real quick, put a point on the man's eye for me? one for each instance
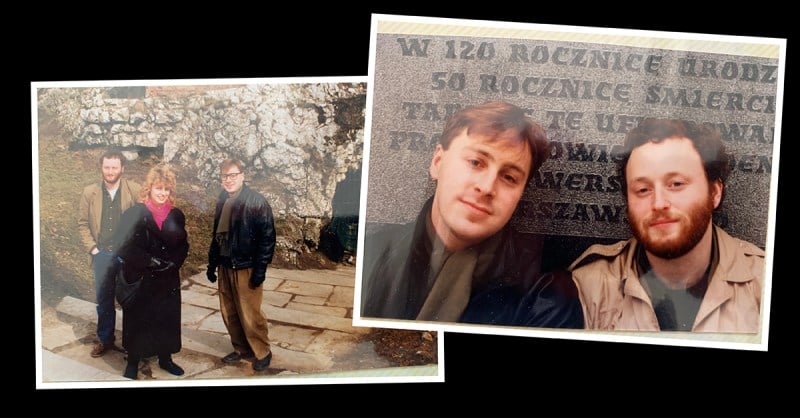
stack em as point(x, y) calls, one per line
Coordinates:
point(510, 179)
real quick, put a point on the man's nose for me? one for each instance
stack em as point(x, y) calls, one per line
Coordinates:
point(660, 199)
point(485, 182)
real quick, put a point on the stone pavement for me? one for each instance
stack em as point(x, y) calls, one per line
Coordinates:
point(310, 328)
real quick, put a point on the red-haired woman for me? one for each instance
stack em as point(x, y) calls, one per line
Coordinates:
point(153, 245)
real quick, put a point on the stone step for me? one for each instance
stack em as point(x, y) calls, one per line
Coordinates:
point(114, 362)
point(200, 299)
point(217, 346)
point(62, 369)
point(310, 331)
point(305, 288)
point(342, 276)
point(334, 278)
point(84, 310)
point(202, 310)
point(312, 320)
point(87, 311)
point(213, 345)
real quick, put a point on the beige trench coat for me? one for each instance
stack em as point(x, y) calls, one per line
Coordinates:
point(614, 299)
point(91, 208)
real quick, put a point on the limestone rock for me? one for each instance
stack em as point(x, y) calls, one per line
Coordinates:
point(297, 141)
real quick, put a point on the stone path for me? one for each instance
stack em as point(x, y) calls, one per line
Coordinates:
point(310, 326)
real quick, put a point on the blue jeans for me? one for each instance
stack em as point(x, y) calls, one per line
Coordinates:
point(105, 270)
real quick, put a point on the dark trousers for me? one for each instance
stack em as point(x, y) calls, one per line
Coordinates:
point(105, 270)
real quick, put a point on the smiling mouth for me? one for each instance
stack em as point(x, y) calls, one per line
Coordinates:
point(477, 207)
point(663, 222)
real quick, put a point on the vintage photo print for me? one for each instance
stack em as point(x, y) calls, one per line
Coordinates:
point(232, 207)
point(569, 182)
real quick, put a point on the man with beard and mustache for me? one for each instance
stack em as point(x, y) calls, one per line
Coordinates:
point(680, 272)
point(460, 261)
point(101, 208)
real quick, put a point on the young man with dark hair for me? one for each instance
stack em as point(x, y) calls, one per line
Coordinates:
point(460, 261)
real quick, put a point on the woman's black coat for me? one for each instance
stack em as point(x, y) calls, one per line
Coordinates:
point(152, 325)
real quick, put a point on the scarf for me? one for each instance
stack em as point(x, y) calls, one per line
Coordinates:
point(225, 215)
point(454, 275)
point(159, 212)
point(224, 225)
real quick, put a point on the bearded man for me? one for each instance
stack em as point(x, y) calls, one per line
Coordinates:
point(101, 206)
point(679, 272)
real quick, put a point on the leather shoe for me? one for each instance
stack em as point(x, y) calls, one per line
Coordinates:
point(131, 371)
point(234, 357)
point(99, 349)
point(171, 367)
point(262, 364)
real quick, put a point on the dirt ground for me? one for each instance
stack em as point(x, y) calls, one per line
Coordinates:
point(405, 347)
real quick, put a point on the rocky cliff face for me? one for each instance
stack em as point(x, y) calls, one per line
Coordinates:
point(298, 141)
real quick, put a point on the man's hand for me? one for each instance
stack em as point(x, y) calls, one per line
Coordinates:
point(256, 281)
point(210, 273)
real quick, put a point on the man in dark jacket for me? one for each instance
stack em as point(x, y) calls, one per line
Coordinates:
point(460, 261)
point(243, 240)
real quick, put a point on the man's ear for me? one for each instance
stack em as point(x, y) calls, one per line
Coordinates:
point(716, 192)
point(435, 161)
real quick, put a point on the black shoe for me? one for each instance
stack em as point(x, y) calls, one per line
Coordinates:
point(234, 357)
point(131, 371)
point(171, 367)
point(262, 364)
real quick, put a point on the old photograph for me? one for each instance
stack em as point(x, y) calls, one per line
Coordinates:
point(569, 182)
point(203, 232)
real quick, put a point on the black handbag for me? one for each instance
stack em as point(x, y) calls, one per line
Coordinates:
point(127, 284)
point(126, 287)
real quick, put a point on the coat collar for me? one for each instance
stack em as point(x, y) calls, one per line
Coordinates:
point(733, 254)
point(720, 286)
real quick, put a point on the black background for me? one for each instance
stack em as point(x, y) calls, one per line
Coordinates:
point(484, 375)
